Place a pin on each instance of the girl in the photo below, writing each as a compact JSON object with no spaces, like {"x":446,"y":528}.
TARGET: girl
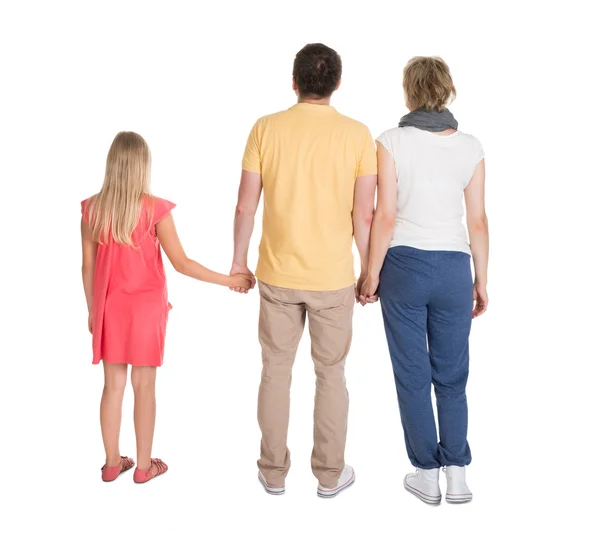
{"x":426,"y":167}
{"x":122,"y":230}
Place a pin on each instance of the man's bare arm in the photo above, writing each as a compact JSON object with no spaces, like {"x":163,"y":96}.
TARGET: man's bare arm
{"x":248,"y":198}
{"x":362,"y":217}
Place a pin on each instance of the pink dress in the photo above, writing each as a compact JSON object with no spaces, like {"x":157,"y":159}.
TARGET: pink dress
{"x":130,"y":306}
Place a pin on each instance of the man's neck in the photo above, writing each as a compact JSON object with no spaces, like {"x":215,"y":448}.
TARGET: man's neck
{"x":315,"y":101}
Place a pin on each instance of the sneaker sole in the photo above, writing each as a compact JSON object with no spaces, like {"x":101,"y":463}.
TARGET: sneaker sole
{"x":459,"y":498}
{"x":335,"y":492}
{"x":270,"y":490}
{"x":431,"y":500}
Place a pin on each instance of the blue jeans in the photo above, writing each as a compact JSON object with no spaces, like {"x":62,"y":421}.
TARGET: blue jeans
{"x":427,"y":301}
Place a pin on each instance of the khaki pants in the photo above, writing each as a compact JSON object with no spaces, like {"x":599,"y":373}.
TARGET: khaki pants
{"x":282,"y":316}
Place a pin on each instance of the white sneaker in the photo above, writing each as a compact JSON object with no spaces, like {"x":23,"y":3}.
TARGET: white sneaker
{"x":457,"y":490}
{"x":275,"y":491}
{"x":345,"y":481}
{"x":424,"y":484}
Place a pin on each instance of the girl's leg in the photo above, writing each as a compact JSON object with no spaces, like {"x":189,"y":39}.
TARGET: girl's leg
{"x":143,"y":379}
{"x":115,"y":379}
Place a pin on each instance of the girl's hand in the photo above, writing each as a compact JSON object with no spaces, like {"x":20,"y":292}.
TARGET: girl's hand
{"x":244,"y":271}
{"x":368,"y":290}
{"x":244,"y":282}
{"x":480,"y":299}
{"x":90,"y":327}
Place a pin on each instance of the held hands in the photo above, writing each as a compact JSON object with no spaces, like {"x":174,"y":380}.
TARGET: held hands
{"x":366,"y":289}
{"x":480,"y":299}
{"x":242,"y":279}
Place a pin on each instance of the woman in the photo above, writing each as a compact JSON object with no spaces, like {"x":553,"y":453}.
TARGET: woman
{"x":426,"y":167}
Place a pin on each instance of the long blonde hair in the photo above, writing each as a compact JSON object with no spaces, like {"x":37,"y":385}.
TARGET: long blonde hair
{"x":428,"y":84}
{"x":116,"y":209}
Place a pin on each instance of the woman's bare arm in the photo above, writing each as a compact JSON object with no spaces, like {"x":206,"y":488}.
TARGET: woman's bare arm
{"x":169,"y":240}
{"x":89,"y":249}
{"x":477,"y":225}
{"x":383,"y":221}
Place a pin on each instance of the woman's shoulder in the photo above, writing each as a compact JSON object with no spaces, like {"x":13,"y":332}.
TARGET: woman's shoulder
{"x":472,"y":145}
{"x":468,"y":138}
{"x":392,"y":138}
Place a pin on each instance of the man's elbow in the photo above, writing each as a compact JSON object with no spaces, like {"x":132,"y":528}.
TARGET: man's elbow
{"x":244,"y":210}
{"x":364,"y":219}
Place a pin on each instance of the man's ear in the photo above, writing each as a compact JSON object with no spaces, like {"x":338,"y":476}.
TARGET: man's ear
{"x":338,"y":84}
{"x":294,"y":86}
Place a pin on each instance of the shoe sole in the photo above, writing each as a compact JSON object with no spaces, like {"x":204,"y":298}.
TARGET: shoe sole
{"x":459,"y":498}
{"x":335,"y":492}
{"x":431,"y":500}
{"x":270,"y":490}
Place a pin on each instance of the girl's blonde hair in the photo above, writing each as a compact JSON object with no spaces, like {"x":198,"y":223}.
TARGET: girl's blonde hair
{"x":116,"y":209}
{"x":427,"y":84}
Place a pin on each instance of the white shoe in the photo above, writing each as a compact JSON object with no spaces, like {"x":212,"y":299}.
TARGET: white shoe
{"x":424,"y":484}
{"x":275,"y":491}
{"x":457,"y":490}
{"x":346,"y":480}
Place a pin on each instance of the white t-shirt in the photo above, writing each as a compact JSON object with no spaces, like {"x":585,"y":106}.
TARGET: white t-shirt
{"x":432,"y":171}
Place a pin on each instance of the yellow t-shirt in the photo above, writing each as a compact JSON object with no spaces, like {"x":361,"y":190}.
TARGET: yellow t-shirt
{"x":309,"y":157}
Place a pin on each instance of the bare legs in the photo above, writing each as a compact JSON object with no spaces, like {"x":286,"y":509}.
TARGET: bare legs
{"x":143,"y":379}
{"x":115,"y":379}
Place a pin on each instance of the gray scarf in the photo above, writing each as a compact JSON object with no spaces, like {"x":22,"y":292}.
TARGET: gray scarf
{"x":429,"y":120}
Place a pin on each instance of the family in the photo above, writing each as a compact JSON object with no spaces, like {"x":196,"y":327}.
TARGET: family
{"x":318,"y":172}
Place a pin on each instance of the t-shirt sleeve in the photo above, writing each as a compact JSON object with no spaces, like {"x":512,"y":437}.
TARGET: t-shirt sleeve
{"x":251,"y":161}
{"x":367,"y":162}
{"x":161,"y":209}
{"x":384,"y":140}
{"x":478,"y":150}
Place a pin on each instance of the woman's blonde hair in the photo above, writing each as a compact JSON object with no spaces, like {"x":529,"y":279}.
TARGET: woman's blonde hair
{"x":427,"y":84}
{"x":116,"y":209}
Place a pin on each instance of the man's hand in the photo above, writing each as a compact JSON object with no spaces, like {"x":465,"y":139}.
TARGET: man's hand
{"x":246,"y":272}
{"x":368,"y":290}
{"x":359,"y":283}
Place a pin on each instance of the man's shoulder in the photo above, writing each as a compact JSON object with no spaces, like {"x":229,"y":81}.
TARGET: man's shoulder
{"x":353,"y":123}
{"x":272,"y":117}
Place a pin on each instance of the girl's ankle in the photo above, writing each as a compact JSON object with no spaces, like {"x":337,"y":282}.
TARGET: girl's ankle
{"x":112,"y":462}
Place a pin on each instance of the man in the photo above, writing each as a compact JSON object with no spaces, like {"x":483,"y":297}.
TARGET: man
{"x":318,"y":170}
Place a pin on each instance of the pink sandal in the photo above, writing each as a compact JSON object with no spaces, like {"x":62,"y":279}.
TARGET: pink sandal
{"x":142,"y":476}
{"x":110,"y":473}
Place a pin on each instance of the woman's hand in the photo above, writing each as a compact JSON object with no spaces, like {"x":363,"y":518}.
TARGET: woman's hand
{"x":368,"y":290}
{"x":480,"y":299}
{"x":90,"y":323}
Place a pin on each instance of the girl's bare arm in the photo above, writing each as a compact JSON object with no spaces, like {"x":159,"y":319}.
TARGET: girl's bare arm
{"x":89,"y":249}
{"x":169,"y":240}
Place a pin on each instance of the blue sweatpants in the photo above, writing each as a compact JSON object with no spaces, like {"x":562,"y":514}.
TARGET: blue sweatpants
{"x":427,"y":300}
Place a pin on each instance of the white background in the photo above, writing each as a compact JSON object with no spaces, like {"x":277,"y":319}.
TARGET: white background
{"x":192,"y":78}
